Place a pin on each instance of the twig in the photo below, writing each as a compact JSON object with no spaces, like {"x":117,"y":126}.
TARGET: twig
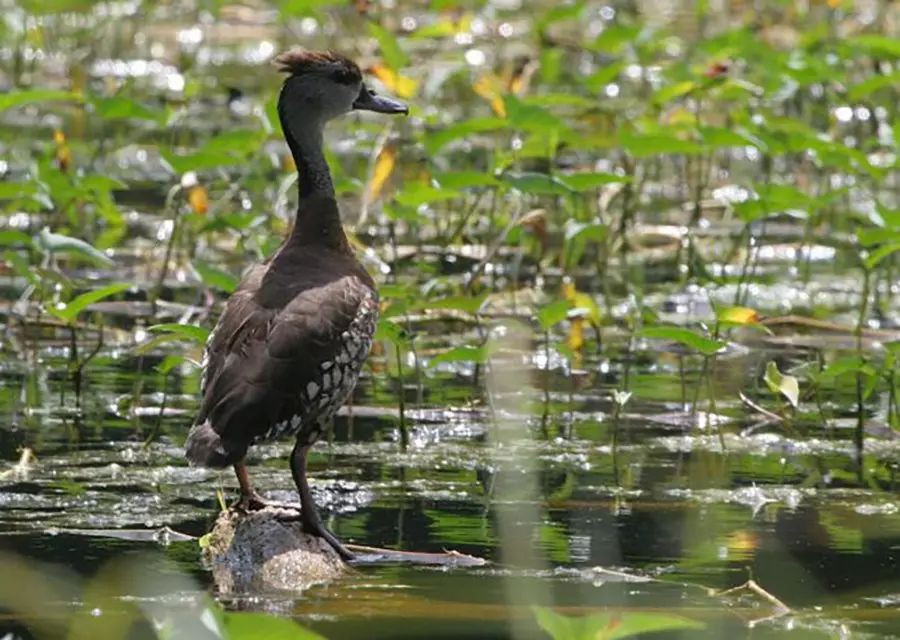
{"x":747,"y":401}
{"x":758,"y":590}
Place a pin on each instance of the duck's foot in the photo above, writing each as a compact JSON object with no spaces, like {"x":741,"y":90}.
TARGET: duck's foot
{"x":312,"y":525}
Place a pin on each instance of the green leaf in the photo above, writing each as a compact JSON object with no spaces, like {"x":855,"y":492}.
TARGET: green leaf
{"x":539,"y":184}
{"x":528,"y":117}
{"x":614,"y":38}
{"x":782,"y":383}
{"x":609,"y":625}
{"x":880,"y":254}
{"x":461,"y":353}
{"x":215,"y":277}
{"x":722,"y":138}
{"x":586,"y":230}
{"x":673,"y":92}
{"x":465,"y":179}
{"x":259,"y":626}
{"x":589,"y":181}
{"x":57,"y":243}
{"x":559,"y":13}
{"x":391,"y":331}
{"x":14,"y":238}
{"x":436,"y":140}
{"x":468,"y":304}
{"x":82,"y":302}
{"x":417,"y":194}
{"x":875,"y":44}
{"x":553,"y":313}
{"x":394,"y":56}
{"x":597,"y":81}
{"x":170,"y":362}
{"x":844,"y":366}
{"x":190,"y":332}
{"x":870,"y":85}
{"x":642,"y":145}
{"x":705,"y":345}
{"x":35,"y":96}
{"x":122,"y":108}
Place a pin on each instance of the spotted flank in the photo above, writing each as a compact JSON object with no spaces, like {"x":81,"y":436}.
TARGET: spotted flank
{"x":322,"y":396}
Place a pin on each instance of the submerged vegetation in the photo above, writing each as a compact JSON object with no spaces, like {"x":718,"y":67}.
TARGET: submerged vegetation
{"x":637,"y":346}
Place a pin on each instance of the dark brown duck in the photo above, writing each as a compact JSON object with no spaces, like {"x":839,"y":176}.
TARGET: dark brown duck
{"x":287,"y":351}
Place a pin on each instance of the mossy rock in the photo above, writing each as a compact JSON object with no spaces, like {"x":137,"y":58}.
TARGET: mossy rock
{"x":260,"y":551}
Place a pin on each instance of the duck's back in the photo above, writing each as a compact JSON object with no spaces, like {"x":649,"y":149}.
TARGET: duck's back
{"x":286,"y":353}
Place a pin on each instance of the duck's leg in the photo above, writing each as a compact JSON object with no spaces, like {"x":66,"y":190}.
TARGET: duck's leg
{"x":249,"y":500}
{"x":309,"y":514}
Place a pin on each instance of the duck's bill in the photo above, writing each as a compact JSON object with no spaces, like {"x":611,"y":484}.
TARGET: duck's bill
{"x":368,"y":100}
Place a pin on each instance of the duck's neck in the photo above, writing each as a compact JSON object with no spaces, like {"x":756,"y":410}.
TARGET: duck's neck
{"x":305,"y":142}
{"x":318,"y":219}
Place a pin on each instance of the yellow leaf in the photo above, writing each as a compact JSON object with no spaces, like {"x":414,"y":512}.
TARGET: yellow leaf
{"x":575,"y":339}
{"x":198,"y":199}
{"x":63,"y":155}
{"x":401,"y":86}
{"x":739,"y":315}
{"x":384,"y":167}
{"x":488,"y":87}
{"x":579,"y":300}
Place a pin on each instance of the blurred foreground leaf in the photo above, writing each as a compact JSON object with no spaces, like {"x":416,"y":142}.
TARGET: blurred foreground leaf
{"x":609,"y":626}
{"x":70,"y":311}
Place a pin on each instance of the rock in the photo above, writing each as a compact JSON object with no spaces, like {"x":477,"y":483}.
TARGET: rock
{"x":258,"y":551}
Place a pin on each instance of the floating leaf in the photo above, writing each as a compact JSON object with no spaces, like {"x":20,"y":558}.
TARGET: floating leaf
{"x":782,"y":383}
{"x":70,"y":311}
{"x":705,"y":345}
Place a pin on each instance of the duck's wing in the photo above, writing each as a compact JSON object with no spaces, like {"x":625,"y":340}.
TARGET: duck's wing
{"x":266,"y":366}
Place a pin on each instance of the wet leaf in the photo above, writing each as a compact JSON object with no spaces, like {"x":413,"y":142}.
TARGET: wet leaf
{"x":784,"y":384}
{"x":705,"y":345}
{"x":71,"y":310}
{"x":215,"y":277}
{"x":610,"y":625}
{"x":259,"y":626}
{"x":391,"y":51}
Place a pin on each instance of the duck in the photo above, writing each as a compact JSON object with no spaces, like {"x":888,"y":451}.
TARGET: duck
{"x":288,"y":348}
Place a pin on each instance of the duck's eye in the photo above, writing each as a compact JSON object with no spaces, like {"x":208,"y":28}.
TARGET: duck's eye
{"x":344,"y":76}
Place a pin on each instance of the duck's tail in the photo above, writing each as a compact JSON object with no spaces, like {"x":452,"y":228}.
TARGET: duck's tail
{"x":204,"y":447}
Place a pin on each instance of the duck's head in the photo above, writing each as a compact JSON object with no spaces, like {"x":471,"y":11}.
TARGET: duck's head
{"x":323,"y":85}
